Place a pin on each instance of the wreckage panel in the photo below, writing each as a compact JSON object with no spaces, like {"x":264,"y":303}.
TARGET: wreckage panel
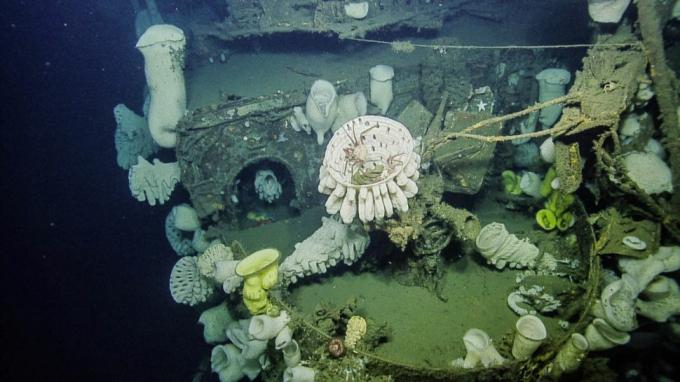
{"x":262,"y":17}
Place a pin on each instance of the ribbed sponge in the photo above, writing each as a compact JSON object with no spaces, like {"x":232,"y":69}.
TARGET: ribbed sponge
{"x":187,"y":286}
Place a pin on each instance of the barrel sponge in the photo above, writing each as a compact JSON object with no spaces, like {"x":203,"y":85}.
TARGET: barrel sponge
{"x":187,"y":286}
{"x":649,"y":172}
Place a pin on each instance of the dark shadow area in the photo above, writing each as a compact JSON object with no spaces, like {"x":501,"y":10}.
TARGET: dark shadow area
{"x":402,"y":33}
{"x":298,"y":42}
{"x":254,"y":211}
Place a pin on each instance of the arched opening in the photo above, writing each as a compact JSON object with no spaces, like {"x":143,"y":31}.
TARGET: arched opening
{"x":264,"y":190}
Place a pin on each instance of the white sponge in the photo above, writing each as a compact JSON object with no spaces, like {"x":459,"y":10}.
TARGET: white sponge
{"x":132,"y":137}
{"x":649,"y":172}
{"x":186,"y":218}
{"x":607,"y":11}
{"x":153,"y":182}
{"x":187,"y":286}
{"x":215,"y":321}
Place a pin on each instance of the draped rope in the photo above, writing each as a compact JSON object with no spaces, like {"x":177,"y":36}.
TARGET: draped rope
{"x":471,"y":47}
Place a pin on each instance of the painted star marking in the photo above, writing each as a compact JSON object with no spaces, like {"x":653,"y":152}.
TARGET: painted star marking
{"x":481,"y":106}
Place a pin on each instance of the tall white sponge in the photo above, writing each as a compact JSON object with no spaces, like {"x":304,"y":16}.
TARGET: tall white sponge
{"x":227,"y":362}
{"x":333,"y":243}
{"x":349,"y":106}
{"x":163,"y":49}
{"x":661,"y":300}
{"x":321,"y":108}
{"x":381,"y":86}
{"x":530,"y":332}
{"x":602,"y":336}
{"x":552,"y":83}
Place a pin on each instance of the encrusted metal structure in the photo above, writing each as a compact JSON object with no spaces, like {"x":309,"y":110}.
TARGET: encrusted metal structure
{"x":216,"y":143}
{"x":252,"y":18}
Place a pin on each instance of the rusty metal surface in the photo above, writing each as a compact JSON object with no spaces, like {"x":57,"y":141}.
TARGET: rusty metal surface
{"x":464,"y":163}
{"x":251,"y":18}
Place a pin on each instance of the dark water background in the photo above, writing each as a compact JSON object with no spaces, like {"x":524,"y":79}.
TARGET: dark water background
{"x":84,"y":266}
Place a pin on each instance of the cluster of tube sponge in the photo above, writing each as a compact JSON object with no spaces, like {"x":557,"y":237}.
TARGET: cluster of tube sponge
{"x":640,"y":290}
{"x":530,"y":333}
{"x":325,"y":110}
{"x":244,"y":356}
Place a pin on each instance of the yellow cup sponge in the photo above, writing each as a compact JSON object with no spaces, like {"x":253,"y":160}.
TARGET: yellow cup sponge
{"x":546,"y":219}
{"x":559,"y":202}
{"x":260,"y":272}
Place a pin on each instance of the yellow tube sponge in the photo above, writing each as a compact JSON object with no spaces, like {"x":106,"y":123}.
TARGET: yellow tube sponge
{"x":546,"y":219}
{"x":260,"y":273}
{"x":565,"y":221}
{"x":511,"y":182}
{"x":559,"y":202}
{"x":555,"y":213}
{"x":546,"y":186}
